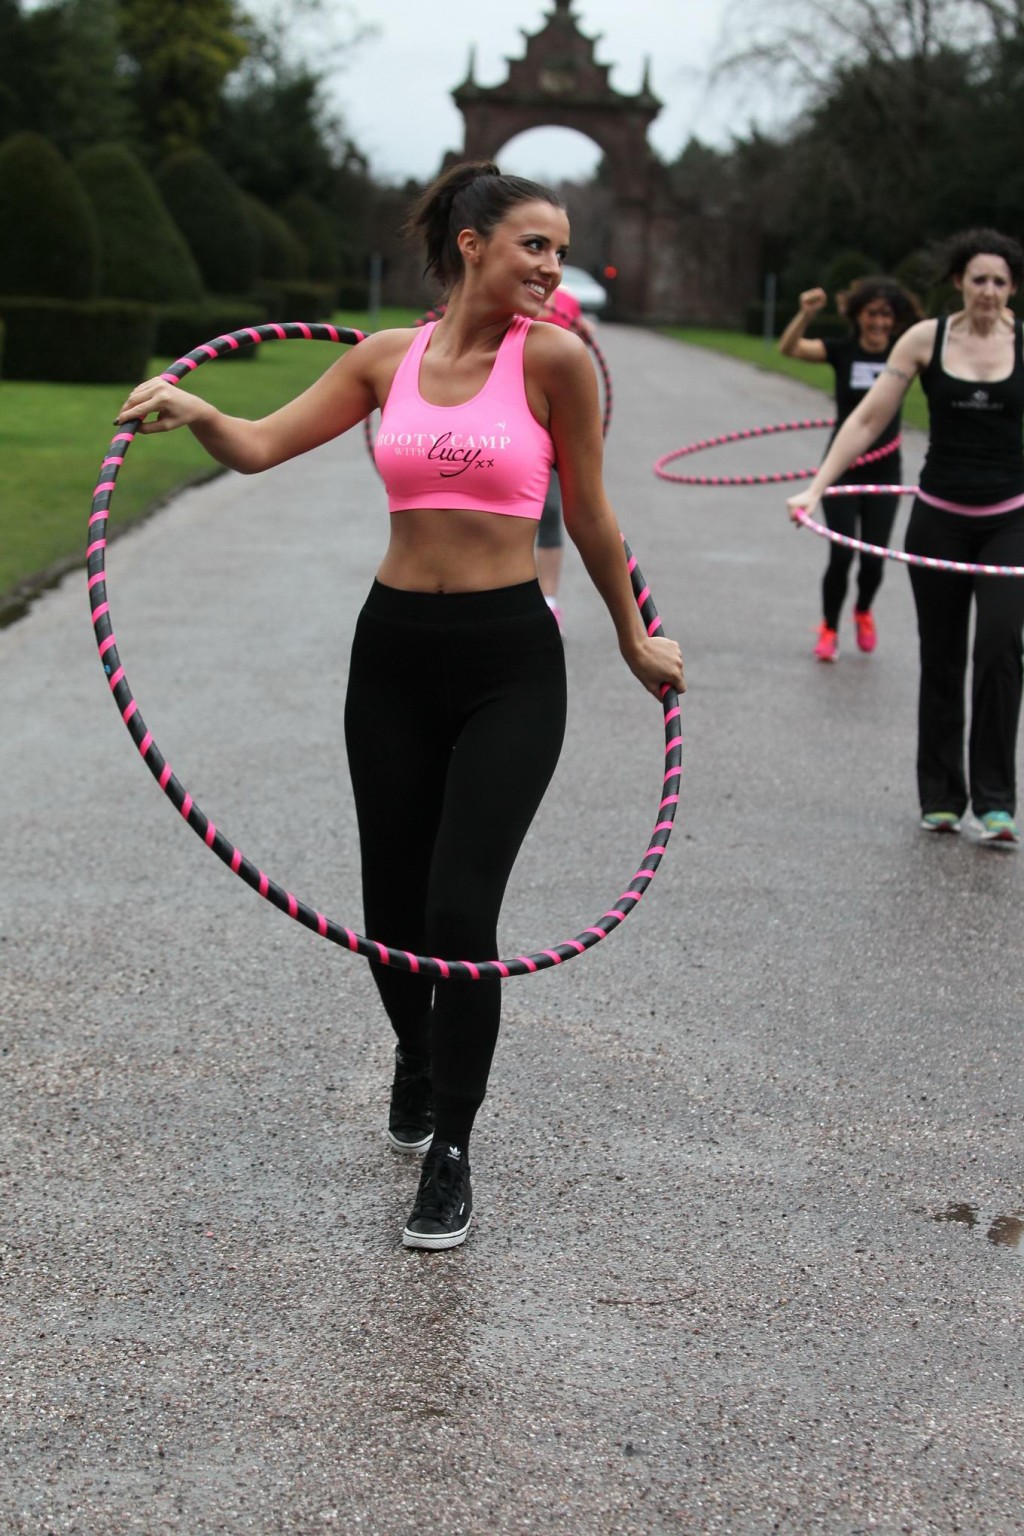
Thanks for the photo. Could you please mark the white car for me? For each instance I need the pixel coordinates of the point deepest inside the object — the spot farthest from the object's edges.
(591, 297)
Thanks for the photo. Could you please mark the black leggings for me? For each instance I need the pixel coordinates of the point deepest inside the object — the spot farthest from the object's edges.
(454, 721)
(869, 518)
(943, 601)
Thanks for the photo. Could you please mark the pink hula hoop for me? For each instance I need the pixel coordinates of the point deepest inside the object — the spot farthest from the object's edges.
(778, 478)
(929, 562)
(216, 840)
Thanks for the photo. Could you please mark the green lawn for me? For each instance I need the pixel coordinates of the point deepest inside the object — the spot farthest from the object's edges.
(753, 349)
(53, 437)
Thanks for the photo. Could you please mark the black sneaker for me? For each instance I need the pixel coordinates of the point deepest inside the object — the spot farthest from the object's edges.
(411, 1117)
(444, 1201)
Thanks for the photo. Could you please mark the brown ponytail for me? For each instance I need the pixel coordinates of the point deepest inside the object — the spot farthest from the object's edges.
(471, 195)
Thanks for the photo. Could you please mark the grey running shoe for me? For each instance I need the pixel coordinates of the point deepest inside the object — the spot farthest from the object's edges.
(940, 821)
(999, 829)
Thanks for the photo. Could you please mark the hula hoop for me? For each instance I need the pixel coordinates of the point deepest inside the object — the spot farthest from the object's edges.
(778, 478)
(183, 802)
(599, 359)
(929, 562)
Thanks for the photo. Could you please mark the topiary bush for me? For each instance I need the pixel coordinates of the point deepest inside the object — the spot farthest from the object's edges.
(842, 270)
(62, 341)
(182, 327)
(754, 319)
(49, 242)
(297, 301)
(143, 254)
(920, 272)
(353, 293)
(824, 325)
(212, 215)
(282, 255)
(319, 234)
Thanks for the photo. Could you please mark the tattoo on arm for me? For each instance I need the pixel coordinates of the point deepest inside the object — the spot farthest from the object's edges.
(899, 373)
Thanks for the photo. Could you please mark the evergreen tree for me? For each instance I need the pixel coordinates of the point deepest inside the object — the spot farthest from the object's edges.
(281, 253)
(180, 52)
(143, 254)
(59, 73)
(319, 232)
(211, 213)
(49, 243)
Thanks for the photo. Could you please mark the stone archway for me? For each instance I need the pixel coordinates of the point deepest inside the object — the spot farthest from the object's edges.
(559, 83)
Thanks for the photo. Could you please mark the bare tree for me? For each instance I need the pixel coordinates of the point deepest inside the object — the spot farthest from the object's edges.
(797, 47)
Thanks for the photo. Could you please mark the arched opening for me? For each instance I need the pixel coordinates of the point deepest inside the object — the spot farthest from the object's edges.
(665, 262)
(568, 160)
(551, 155)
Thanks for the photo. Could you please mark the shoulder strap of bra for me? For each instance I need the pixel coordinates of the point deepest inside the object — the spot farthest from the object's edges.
(508, 364)
(408, 371)
(406, 378)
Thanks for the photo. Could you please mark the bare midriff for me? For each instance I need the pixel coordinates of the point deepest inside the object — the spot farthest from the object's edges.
(450, 550)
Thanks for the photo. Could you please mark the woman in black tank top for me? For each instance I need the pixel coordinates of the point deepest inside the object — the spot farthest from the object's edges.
(879, 310)
(970, 508)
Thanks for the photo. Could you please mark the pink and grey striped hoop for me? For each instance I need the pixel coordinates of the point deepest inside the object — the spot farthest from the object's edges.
(929, 562)
(277, 895)
(600, 361)
(663, 473)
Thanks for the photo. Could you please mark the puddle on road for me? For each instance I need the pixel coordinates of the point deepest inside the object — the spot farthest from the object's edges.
(1005, 1231)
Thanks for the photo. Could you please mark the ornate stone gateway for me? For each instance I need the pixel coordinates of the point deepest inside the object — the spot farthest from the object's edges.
(656, 247)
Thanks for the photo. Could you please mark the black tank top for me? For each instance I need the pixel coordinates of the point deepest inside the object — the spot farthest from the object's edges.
(975, 430)
(856, 370)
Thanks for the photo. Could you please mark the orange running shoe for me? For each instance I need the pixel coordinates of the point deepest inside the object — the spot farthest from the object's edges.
(867, 634)
(827, 648)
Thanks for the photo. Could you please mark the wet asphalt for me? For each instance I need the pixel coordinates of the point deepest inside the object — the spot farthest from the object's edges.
(748, 1247)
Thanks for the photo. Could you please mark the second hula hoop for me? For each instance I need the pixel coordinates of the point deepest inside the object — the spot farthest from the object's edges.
(929, 562)
(278, 896)
(778, 478)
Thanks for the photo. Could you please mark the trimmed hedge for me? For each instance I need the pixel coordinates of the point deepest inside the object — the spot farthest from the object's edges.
(353, 293)
(182, 327)
(213, 216)
(845, 268)
(143, 254)
(282, 255)
(823, 326)
(108, 341)
(319, 233)
(49, 242)
(297, 301)
(754, 318)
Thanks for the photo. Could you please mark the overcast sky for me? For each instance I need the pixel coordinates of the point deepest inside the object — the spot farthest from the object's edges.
(395, 93)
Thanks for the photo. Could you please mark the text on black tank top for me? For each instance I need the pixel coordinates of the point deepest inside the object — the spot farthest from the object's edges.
(856, 370)
(975, 443)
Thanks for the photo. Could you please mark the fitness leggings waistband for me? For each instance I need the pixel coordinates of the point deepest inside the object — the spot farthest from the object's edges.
(455, 608)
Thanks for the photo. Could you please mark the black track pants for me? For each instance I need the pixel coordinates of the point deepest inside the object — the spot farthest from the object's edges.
(943, 601)
(454, 721)
(870, 519)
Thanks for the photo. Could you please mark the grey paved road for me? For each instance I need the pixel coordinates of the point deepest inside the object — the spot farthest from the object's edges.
(749, 1184)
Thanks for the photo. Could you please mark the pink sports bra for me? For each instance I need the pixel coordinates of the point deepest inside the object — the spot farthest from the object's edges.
(490, 454)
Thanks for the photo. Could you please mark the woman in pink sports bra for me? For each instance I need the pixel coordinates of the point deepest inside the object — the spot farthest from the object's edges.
(969, 507)
(455, 709)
